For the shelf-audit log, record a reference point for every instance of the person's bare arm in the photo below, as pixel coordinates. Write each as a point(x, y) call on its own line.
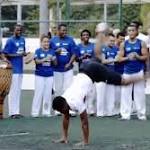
point(29, 58)
point(121, 52)
point(5, 60)
point(65, 126)
point(144, 53)
point(100, 40)
point(85, 127)
point(131, 80)
point(71, 61)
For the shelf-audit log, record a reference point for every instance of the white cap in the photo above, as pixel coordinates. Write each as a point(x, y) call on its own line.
point(116, 31)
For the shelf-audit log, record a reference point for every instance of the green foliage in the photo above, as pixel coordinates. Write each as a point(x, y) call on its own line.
point(145, 16)
point(87, 12)
point(84, 13)
point(130, 13)
point(31, 13)
point(9, 13)
point(28, 13)
point(52, 3)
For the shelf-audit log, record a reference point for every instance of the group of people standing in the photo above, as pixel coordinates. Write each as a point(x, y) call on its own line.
point(127, 55)
point(54, 71)
point(122, 66)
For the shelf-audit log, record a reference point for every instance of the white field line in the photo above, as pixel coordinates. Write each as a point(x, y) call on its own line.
point(14, 134)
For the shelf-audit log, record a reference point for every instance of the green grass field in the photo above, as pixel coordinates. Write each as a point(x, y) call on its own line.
point(105, 133)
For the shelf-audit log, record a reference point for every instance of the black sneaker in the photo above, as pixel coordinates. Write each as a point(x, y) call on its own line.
point(16, 116)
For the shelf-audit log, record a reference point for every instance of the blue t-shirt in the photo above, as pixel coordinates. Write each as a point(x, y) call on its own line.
point(119, 66)
point(110, 53)
point(68, 48)
point(15, 45)
point(133, 66)
point(85, 52)
point(46, 68)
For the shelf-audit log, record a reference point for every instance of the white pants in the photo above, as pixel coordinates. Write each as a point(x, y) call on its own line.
point(139, 97)
point(43, 91)
point(62, 80)
point(100, 98)
point(110, 99)
point(90, 100)
point(117, 99)
point(14, 94)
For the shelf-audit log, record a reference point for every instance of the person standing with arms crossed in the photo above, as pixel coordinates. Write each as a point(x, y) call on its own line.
point(14, 50)
point(133, 53)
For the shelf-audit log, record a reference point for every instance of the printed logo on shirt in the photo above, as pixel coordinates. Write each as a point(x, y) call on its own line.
point(20, 50)
point(128, 49)
point(64, 52)
point(89, 50)
point(22, 43)
point(64, 43)
point(136, 47)
point(57, 44)
point(42, 55)
point(46, 64)
point(82, 51)
point(17, 44)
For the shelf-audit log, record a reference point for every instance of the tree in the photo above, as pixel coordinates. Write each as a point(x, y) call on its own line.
point(145, 16)
point(84, 13)
point(87, 12)
point(28, 13)
point(31, 13)
point(130, 13)
point(9, 13)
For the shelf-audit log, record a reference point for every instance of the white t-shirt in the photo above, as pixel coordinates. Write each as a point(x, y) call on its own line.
point(76, 94)
point(141, 37)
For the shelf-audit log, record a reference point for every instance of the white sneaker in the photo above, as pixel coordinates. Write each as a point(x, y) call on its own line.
point(72, 113)
point(57, 113)
point(124, 119)
point(142, 118)
point(35, 116)
point(46, 115)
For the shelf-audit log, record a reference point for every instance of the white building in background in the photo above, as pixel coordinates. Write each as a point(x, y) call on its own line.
point(33, 43)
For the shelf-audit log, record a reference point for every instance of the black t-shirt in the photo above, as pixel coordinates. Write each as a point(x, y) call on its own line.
point(98, 72)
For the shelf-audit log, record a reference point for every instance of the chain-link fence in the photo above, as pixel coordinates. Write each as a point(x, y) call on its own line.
point(31, 27)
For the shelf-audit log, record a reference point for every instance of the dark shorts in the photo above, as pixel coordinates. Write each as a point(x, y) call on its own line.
point(114, 78)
